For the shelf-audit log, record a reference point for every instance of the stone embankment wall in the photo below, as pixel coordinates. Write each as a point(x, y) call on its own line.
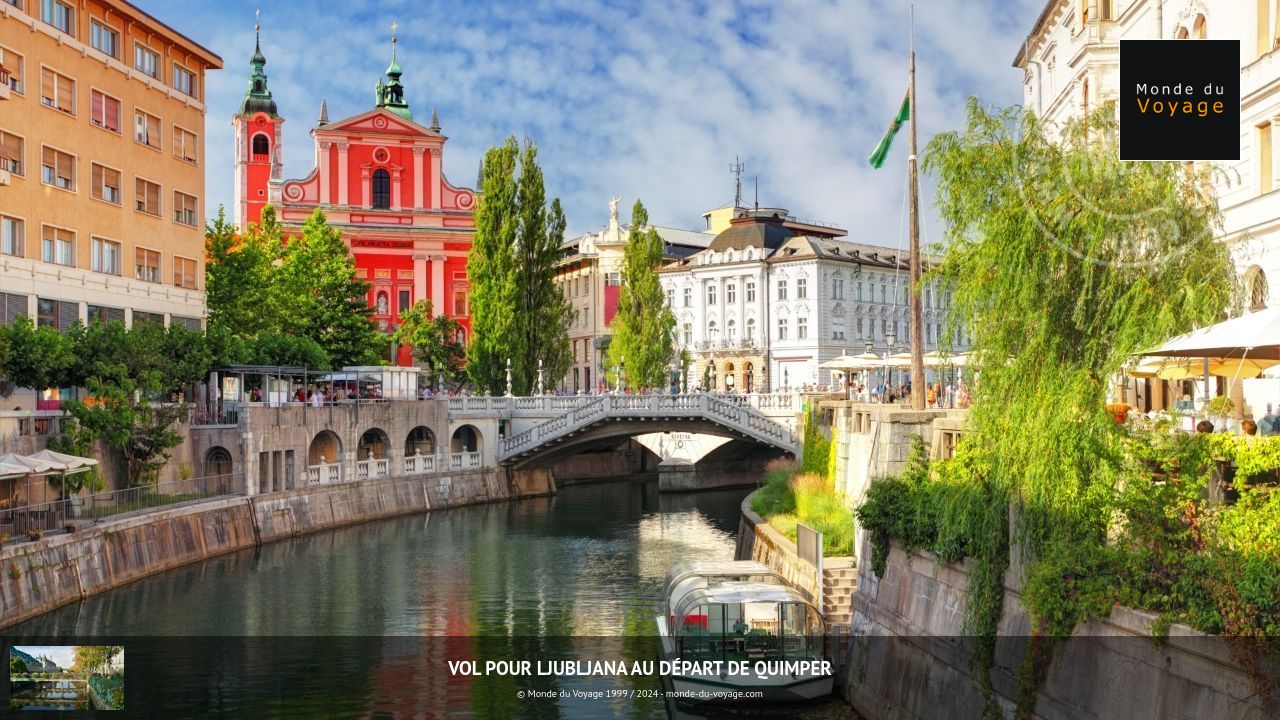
point(909, 658)
point(757, 540)
point(61, 568)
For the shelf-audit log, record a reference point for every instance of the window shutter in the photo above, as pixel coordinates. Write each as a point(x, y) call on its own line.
point(11, 306)
point(47, 87)
point(114, 314)
point(66, 94)
point(111, 107)
point(49, 158)
point(98, 176)
point(97, 107)
point(68, 313)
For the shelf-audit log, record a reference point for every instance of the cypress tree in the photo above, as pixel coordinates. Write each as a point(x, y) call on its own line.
point(643, 326)
point(489, 271)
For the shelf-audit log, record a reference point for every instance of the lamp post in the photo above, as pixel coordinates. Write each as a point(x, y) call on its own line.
point(890, 339)
point(675, 374)
point(786, 380)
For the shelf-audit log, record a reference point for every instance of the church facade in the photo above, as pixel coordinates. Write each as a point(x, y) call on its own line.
point(379, 179)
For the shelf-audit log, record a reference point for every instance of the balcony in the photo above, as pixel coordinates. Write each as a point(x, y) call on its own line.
point(740, 345)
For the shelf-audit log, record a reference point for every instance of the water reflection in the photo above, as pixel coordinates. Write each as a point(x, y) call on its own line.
point(361, 621)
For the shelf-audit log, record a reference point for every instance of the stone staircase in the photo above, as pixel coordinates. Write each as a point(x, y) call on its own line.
point(839, 580)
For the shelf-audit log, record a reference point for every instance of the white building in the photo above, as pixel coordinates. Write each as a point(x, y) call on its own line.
point(589, 274)
point(772, 298)
point(1071, 64)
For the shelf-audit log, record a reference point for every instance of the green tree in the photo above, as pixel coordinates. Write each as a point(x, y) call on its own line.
point(139, 430)
point(643, 326)
point(35, 357)
point(17, 666)
point(318, 295)
point(543, 313)
point(489, 269)
point(434, 339)
point(238, 274)
point(517, 312)
point(272, 348)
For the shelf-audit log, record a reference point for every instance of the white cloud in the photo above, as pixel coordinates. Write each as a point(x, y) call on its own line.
point(650, 99)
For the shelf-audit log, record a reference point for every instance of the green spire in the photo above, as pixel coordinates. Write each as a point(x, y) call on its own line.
point(390, 95)
point(257, 98)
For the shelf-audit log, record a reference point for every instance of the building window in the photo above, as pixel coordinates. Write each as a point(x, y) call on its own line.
point(146, 317)
point(10, 236)
point(262, 147)
point(184, 81)
point(711, 294)
point(57, 91)
point(671, 297)
point(104, 256)
point(106, 183)
point(613, 279)
point(58, 169)
point(713, 332)
point(381, 188)
point(16, 66)
point(782, 328)
point(57, 314)
point(59, 15)
point(860, 328)
point(147, 197)
point(688, 297)
point(731, 331)
point(11, 152)
point(104, 111)
point(146, 265)
point(802, 328)
point(104, 38)
point(751, 291)
point(751, 330)
point(146, 128)
point(184, 208)
point(688, 334)
point(730, 294)
point(103, 314)
point(460, 302)
point(184, 272)
point(802, 288)
point(837, 288)
point(782, 289)
point(406, 300)
point(184, 145)
point(146, 61)
point(57, 246)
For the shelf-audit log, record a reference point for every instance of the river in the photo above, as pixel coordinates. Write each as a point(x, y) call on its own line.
point(361, 622)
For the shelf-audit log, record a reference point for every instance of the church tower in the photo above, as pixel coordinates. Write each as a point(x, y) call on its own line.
point(258, 135)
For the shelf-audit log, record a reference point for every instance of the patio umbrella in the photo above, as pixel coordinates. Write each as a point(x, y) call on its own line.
point(65, 463)
point(897, 360)
point(1254, 335)
point(862, 361)
point(1240, 367)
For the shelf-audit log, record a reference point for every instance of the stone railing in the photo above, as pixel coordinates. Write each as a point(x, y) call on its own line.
point(730, 411)
point(465, 461)
point(324, 474)
point(373, 468)
point(548, 405)
point(419, 464)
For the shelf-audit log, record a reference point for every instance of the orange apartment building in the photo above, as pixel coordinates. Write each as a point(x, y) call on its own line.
point(101, 165)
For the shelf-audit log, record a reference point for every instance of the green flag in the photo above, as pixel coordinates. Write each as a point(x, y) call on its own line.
point(904, 114)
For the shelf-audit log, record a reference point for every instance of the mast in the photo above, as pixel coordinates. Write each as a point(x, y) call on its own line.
point(917, 318)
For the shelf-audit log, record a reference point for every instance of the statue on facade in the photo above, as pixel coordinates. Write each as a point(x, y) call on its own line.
point(613, 210)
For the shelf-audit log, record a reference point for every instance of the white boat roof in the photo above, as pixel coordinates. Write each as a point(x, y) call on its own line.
point(741, 592)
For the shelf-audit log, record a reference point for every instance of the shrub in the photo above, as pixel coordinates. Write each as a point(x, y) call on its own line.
point(35, 534)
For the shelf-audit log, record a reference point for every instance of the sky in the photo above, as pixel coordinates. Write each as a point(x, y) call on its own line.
point(651, 99)
point(61, 655)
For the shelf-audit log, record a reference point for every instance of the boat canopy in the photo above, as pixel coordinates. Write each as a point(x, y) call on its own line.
point(735, 593)
point(687, 576)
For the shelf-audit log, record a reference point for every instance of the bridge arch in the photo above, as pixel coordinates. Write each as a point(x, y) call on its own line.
point(611, 433)
point(326, 447)
point(420, 440)
point(467, 438)
point(374, 445)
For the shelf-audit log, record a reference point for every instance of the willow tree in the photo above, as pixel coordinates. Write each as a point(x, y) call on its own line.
point(1063, 262)
point(643, 324)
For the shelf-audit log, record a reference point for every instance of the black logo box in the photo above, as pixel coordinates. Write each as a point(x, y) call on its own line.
point(1191, 66)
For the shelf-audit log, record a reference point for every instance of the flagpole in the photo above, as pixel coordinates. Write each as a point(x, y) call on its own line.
point(917, 320)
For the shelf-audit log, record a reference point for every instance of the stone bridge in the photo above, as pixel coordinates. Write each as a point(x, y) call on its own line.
point(581, 422)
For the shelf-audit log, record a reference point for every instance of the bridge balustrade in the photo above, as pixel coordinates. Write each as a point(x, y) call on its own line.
point(373, 468)
point(324, 474)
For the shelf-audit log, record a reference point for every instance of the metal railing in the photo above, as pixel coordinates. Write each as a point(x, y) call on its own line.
point(95, 507)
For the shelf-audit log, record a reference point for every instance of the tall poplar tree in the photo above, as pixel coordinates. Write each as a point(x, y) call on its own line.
point(517, 312)
point(318, 295)
point(643, 324)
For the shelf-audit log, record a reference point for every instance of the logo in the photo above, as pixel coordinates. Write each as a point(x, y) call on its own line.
point(1179, 99)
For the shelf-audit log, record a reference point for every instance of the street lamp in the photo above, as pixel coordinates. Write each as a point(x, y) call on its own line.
point(890, 339)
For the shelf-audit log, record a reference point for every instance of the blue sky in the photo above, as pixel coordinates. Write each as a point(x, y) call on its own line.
point(61, 655)
point(640, 99)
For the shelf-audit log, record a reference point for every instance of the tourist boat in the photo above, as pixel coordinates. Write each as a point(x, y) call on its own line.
point(730, 629)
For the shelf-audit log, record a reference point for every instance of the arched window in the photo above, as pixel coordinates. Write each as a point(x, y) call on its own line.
point(261, 146)
point(1256, 281)
point(381, 188)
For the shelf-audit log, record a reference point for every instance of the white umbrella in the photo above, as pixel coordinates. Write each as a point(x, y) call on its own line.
point(65, 463)
point(34, 466)
point(854, 362)
point(1254, 335)
point(896, 360)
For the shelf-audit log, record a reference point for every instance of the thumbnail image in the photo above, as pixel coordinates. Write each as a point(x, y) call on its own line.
point(66, 677)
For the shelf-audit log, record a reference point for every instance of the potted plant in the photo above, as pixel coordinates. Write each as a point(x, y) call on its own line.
point(35, 534)
point(1219, 408)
